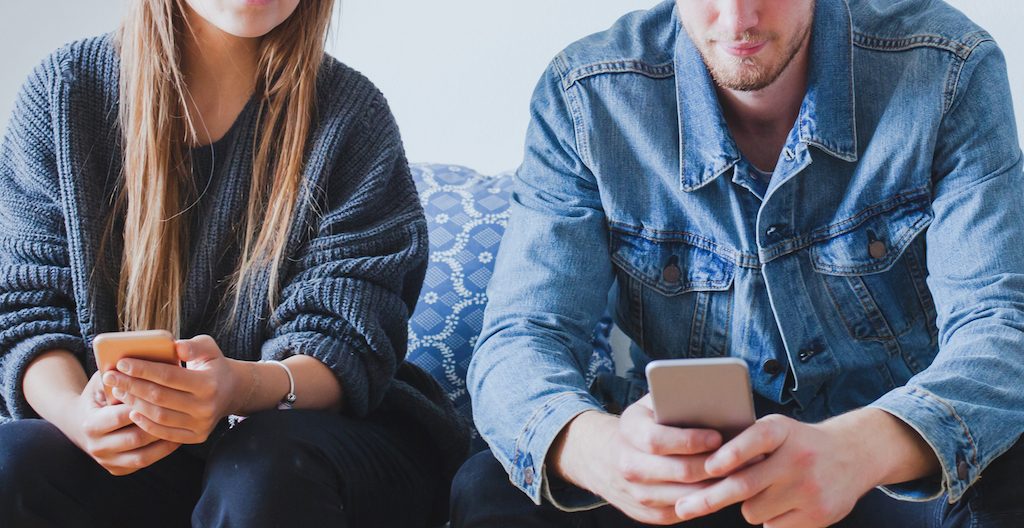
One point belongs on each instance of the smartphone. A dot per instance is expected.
(706, 393)
(151, 345)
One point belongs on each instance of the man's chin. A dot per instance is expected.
(749, 78)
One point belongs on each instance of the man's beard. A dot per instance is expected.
(748, 74)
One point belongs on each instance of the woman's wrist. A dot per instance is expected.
(245, 383)
(53, 384)
(258, 387)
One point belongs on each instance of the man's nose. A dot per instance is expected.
(738, 16)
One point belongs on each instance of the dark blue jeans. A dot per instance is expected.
(482, 496)
(291, 468)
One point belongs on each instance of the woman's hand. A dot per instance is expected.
(179, 404)
(105, 433)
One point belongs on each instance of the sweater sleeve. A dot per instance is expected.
(37, 306)
(352, 288)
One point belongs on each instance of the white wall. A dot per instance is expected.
(458, 73)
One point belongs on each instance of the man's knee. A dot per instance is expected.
(482, 484)
(995, 499)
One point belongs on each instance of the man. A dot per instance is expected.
(830, 192)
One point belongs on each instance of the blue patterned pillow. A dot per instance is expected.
(466, 216)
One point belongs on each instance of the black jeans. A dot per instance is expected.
(277, 468)
(482, 496)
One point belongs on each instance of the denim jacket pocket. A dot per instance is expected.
(675, 297)
(874, 273)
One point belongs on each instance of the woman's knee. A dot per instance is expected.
(30, 449)
(34, 457)
(262, 464)
(278, 465)
(268, 444)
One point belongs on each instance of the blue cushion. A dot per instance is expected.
(466, 216)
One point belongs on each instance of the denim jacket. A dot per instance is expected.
(883, 265)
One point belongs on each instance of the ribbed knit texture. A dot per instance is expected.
(356, 252)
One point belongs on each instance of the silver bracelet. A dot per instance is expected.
(289, 399)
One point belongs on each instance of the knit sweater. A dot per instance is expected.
(356, 252)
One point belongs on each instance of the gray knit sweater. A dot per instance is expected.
(356, 253)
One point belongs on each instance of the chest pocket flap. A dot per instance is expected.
(672, 266)
(873, 241)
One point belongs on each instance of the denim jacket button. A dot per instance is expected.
(671, 273)
(877, 249)
(804, 355)
(772, 367)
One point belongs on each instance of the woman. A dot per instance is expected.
(208, 170)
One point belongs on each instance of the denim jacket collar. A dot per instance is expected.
(826, 119)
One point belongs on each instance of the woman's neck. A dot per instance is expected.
(220, 73)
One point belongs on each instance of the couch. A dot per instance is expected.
(467, 213)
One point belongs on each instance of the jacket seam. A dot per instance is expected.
(962, 47)
(686, 237)
(575, 114)
(953, 82)
(1009, 169)
(538, 414)
(928, 395)
(902, 242)
(843, 226)
(655, 71)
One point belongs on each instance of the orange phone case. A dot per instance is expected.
(151, 345)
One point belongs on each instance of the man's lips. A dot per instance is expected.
(743, 49)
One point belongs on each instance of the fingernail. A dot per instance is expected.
(684, 509)
(118, 393)
(124, 366)
(109, 378)
(99, 397)
(185, 353)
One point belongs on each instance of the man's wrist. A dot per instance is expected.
(568, 457)
(887, 448)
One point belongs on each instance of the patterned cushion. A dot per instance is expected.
(466, 216)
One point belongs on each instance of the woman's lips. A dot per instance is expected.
(745, 49)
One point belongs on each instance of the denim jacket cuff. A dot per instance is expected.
(945, 432)
(527, 468)
(567, 497)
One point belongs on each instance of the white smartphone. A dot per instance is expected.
(706, 393)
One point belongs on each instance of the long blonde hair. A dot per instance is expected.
(158, 130)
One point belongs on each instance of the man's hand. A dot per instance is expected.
(638, 466)
(813, 474)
